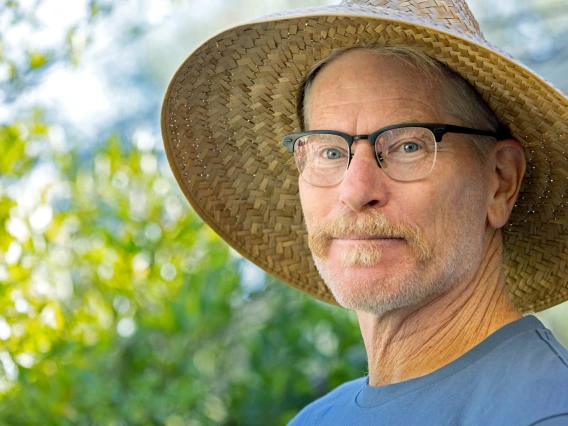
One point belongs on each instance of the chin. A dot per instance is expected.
(371, 289)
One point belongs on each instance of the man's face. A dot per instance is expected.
(439, 222)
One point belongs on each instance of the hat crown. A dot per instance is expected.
(453, 13)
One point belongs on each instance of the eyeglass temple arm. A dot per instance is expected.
(288, 141)
(500, 134)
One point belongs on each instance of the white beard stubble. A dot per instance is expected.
(428, 273)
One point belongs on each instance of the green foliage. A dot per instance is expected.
(125, 309)
(37, 60)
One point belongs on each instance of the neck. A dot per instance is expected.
(413, 342)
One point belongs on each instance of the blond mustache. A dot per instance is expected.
(369, 224)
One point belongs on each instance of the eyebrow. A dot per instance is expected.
(406, 121)
(413, 121)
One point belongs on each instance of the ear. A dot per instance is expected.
(507, 160)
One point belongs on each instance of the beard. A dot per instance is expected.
(419, 276)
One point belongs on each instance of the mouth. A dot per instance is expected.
(364, 250)
(367, 238)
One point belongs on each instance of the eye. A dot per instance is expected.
(410, 147)
(332, 154)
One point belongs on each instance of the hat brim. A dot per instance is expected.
(229, 104)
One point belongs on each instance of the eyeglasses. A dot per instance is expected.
(405, 152)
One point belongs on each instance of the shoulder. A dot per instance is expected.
(531, 355)
(556, 420)
(533, 359)
(313, 413)
(549, 392)
(526, 379)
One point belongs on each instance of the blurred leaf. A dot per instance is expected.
(13, 161)
(37, 60)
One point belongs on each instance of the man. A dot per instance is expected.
(410, 188)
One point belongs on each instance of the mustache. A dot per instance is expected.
(371, 223)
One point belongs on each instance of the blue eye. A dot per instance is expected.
(410, 147)
(332, 154)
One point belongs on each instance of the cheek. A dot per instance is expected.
(464, 208)
(306, 200)
(461, 190)
(316, 203)
(439, 210)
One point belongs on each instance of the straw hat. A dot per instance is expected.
(232, 100)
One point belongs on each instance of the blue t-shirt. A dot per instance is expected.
(517, 376)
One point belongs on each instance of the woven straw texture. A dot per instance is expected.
(233, 99)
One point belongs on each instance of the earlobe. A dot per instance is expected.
(508, 168)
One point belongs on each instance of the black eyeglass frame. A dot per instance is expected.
(437, 129)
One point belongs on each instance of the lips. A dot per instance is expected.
(365, 238)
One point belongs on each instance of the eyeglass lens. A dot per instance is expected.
(405, 154)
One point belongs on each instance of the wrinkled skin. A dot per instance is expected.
(458, 210)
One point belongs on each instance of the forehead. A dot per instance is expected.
(373, 90)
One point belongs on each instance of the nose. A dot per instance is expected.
(364, 185)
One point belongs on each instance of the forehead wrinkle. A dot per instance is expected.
(325, 114)
(359, 103)
(386, 91)
(349, 98)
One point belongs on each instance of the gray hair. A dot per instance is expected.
(460, 98)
